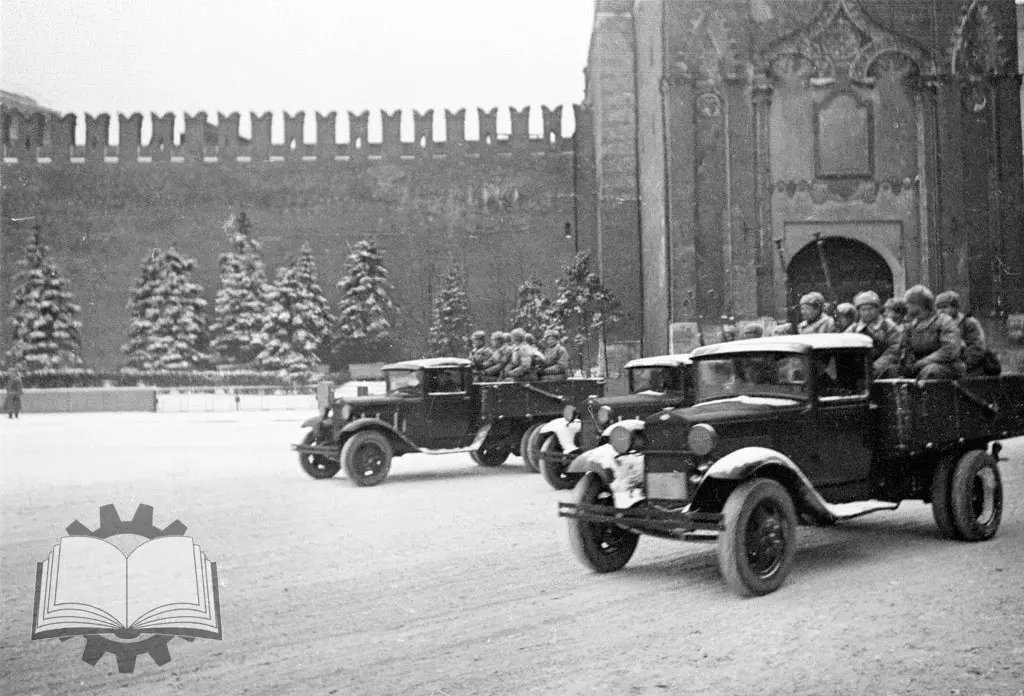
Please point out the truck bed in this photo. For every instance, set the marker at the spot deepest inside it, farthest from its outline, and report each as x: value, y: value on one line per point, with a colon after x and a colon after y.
x: 918, y: 416
x: 535, y: 399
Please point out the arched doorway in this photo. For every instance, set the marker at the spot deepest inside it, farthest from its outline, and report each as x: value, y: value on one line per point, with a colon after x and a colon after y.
x: 853, y: 267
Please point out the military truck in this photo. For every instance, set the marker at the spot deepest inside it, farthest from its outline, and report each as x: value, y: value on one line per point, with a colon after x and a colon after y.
x: 431, y: 406
x: 654, y: 383
x: 787, y: 430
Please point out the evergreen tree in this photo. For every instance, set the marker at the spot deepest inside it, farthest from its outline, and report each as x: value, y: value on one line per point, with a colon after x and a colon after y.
x: 363, y: 327
x: 241, y: 302
x: 43, y: 315
x: 298, y: 320
x: 584, y: 306
x: 534, y: 312
x: 450, y: 329
x: 168, y: 327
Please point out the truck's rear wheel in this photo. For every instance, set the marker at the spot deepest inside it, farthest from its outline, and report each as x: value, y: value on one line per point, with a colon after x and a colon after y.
x: 366, y: 457
x: 942, y: 509
x: 976, y: 496
x: 553, y: 466
x: 491, y: 456
x: 757, y: 546
x: 603, y: 548
x: 317, y: 465
x: 528, y: 447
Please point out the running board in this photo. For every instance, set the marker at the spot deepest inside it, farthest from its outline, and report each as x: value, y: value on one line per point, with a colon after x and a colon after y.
x: 847, y: 511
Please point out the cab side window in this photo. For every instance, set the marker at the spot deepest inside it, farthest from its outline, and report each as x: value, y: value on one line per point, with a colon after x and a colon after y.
x: 445, y: 381
x: 840, y: 373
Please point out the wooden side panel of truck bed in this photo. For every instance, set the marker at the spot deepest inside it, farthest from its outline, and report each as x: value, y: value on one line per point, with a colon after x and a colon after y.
x: 919, y: 416
x: 535, y: 399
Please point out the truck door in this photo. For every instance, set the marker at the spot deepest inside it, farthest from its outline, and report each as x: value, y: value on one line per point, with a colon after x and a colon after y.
x: 449, y: 414
x: 843, y: 426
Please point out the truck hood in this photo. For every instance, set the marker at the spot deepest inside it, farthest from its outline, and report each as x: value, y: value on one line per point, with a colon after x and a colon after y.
x: 366, y: 403
x: 741, y: 408
x: 641, y: 401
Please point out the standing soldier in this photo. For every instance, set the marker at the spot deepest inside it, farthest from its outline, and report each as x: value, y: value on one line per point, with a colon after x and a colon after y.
x: 971, y: 332
x: 931, y: 346
x: 883, y: 331
x: 480, y: 354
x: 15, y: 388
x: 494, y: 366
x: 812, y: 306
x: 556, y: 358
x: 520, y: 367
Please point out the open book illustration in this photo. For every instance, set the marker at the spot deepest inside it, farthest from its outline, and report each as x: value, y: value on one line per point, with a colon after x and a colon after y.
x: 87, y: 585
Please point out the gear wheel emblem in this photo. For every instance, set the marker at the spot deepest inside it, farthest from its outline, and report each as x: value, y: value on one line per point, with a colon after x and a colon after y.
x: 127, y: 650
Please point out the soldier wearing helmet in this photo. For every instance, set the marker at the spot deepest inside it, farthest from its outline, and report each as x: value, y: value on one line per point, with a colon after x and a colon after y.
x: 812, y: 312
x: 520, y: 364
x: 494, y: 366
x: 930, y: 347
x: 480, y: 354
x: 883, y: 331
x: 556, y: 358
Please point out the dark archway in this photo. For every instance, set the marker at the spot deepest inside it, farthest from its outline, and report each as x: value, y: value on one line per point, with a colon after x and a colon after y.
x: 853, y: 266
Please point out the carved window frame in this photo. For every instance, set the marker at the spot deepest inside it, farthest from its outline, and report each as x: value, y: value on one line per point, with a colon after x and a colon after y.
x: 817, y: 110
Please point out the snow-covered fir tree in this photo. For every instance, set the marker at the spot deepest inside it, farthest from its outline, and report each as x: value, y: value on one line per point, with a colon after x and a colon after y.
x: 451, y: 325
x: 241, y: 302
x: 168, y: 326
x: 584, y: 306
x: 43, y: 315
x: 534, y: 312
x: 362, y: 330
x: 298, y: 320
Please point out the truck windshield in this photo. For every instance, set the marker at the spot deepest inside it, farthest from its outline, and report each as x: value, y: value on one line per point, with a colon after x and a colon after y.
x: 403, y: 381
x: 656, y: 379
x: 753, y: 374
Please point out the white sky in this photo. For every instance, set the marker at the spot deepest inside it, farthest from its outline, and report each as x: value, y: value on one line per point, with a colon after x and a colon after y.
x: 307, y: 55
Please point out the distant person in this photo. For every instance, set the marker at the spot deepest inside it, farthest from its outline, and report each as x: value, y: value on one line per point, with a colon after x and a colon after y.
x: 975, y: 352
x: 753, y: 331
x: 556, y: 358
x: 930, y: 347
x: 812, y: 312
x: 15, y: 388
x: 729, y: 333
x: 846, y: 314
x: 883, y: 331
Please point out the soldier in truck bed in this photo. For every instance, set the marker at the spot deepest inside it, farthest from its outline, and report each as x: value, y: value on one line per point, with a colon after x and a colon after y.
x: 971, y: 332
x: 480, y: 354
x: 883, y: 331
x: 520, y: 366
x: 500, y: 355
x: 930, y: 347
x: 556, y: 358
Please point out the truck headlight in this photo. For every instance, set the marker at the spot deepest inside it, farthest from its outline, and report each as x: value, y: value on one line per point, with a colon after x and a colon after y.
x: 702, y: 439
x: 604, y: 415
x: 346, y: 412
x: 621, y: 439
x: 569, y: 413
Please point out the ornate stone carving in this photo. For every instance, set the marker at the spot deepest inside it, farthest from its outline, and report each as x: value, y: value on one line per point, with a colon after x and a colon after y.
x: 843, y: 43
x: 977, y: 45
x: 709, y: 105
x: 709, y: 53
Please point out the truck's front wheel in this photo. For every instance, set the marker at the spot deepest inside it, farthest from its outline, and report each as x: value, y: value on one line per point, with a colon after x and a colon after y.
x: 756, y: 548
x: 553, y: 466
x: 366, y: 457
x: 601, y: 547
x: 317, y: 465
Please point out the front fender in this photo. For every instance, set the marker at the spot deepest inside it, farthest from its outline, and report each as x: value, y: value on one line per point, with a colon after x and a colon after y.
x: 565, y: 431
x: 633, y: 424
x: 400, y: 442
x: 753, y: 462
x: 600, y: 460
x: 313, y: 422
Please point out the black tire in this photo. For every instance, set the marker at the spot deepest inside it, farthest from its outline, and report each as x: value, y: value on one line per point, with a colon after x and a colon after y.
x: 976, y: 496
x: 942, y: 509
x: 758, y: 543
x: 604, y: 548
x: 317, y: 465
x: 366, y: 457
x: 490, y: 456
x: 528, y: 447
x: 554, y: 470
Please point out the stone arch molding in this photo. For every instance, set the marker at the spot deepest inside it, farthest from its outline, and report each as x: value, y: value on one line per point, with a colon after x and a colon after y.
x: 842, y: 42
x: 896, y: 266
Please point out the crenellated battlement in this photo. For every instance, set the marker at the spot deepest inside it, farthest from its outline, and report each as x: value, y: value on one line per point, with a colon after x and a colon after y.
x: 42, y: 138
